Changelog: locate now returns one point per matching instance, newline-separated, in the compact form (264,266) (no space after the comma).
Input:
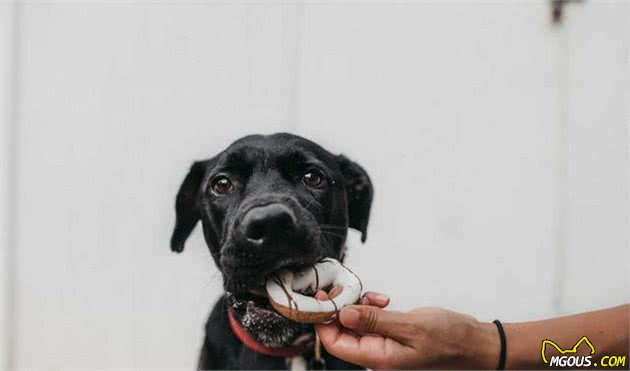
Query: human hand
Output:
(375,338)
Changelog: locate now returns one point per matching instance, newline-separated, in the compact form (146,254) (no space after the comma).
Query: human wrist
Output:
(484,347)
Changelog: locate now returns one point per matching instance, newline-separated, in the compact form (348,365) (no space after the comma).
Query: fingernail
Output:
(350,317)
(381,297)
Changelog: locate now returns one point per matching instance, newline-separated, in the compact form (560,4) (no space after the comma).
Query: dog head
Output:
(268,203)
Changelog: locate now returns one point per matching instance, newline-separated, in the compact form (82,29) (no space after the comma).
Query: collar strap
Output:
(245,338)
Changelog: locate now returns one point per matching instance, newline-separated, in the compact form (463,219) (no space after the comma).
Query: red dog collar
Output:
(252,344)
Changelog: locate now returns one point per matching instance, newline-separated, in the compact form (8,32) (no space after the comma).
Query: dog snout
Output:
(264,223)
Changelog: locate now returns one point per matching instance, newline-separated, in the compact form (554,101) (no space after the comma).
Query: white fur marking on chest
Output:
(296,363)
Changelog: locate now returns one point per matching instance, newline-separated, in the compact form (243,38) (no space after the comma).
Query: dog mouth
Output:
(253,310)
(250,302)
(254,296)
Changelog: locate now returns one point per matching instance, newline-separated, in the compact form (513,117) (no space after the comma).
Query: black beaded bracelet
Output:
(502,353)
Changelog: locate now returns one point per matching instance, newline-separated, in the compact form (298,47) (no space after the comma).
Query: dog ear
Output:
(186,206)
(359,193)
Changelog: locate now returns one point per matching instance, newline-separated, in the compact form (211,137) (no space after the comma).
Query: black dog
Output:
(267,203)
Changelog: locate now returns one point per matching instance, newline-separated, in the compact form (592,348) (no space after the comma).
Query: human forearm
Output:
(607,329)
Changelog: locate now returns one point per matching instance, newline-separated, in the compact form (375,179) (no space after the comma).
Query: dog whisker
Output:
(314,202)
(328,233)
(330,226)
(309,204)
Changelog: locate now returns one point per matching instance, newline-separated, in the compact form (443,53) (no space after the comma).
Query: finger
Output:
(321,295)
(376,299)
(371,351)
(366,319)
(335,291)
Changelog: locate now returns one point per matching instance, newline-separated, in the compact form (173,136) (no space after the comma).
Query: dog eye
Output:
(222,185)
(313,178)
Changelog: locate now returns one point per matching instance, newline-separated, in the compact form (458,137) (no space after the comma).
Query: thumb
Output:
(368,319)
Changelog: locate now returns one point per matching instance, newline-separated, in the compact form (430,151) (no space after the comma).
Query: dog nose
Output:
(264,223)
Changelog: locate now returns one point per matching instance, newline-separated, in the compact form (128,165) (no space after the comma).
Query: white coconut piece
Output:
(285,289)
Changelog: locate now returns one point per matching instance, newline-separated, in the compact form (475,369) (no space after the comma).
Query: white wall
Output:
(7,204)
(597,259)
(496,141)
